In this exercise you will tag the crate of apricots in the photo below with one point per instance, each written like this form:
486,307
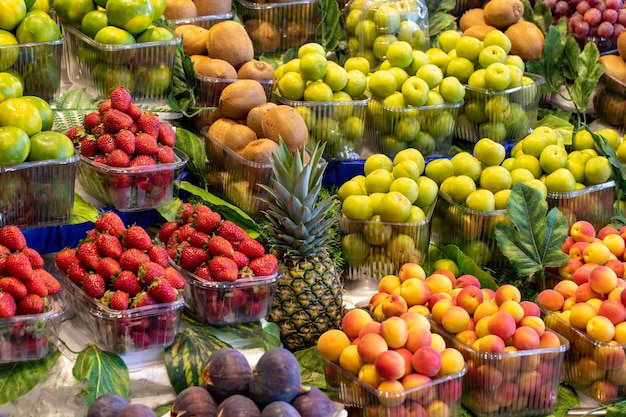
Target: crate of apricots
587,306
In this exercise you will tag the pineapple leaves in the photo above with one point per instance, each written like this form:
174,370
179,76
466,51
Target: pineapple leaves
18,378
103,371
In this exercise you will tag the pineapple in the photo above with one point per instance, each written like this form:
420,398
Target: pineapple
308,298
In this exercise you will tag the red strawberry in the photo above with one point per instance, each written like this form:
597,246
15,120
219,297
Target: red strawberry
158,254
88,255
108,245
13,286
218,246
162,291
240,259
143,161
119,300
260,292
184,232
120,99
166,231
89,148
125,140
92,234
175,278
137,237
207,222
94,285
31,304
36,261
18,265
132,258
8,307
254,309
108,268
76,272
4,250
146,144
148,272
172,250
36,284
142,299
3,263
111,223
238,298
115,120
101,159
252,248
199,239
167,135
192,257
203,272
105,106
184,212
98,131
52,284
165,155
264,266
106,143
215,310
231,232
127,281
12,237
223,269
149,123
91,120
76,133
118,159
64,258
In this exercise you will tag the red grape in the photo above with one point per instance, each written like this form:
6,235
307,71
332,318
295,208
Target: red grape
617,29
582,29
605,30
582,7
550,3
593,3
601,6
573,22
621,17
561,8
614,4
593,17
610,16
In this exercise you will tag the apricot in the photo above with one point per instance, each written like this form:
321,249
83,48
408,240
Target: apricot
455,319
395,332
331,343
354,320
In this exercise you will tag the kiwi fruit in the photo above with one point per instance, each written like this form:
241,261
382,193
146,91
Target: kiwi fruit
285,121
621,45
237,136
503,13
215,68
239,97
264,35
260,151
255,116
194,39
256,70
295,34
527,40
213,7
228,40
219,128
479,31
180,9
470,18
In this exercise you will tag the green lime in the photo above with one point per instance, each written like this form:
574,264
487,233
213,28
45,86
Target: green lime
155,34
107,77
92,22
14,145
10,86
20,113
8,54
72,11
132,15
37,26
12,12
50,145
47,118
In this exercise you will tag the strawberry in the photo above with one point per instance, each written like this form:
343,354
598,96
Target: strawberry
3,264
237,299
89,148
8,307
158,254
12,237
146,144
143,161
125,140
104,107
240,259
137,237
31,304
108,268
127,281
192,257
215,310
142,299
76,134
148,272
132,258
162,291
231,232
254,309
91,120
100,159
199,239
120,99
13,286
184,212
166,231
118,159
184,232
172,250
94,285
260,292
175,278
76,272
165,155
223,269
218,246
36,284
108,245
149,123
64,258
203,272
167,135
207,222
88,255
52,284
252,248
92,234
115,120
111,223
18,265
264,266
36,261
134,111
106,143
119,300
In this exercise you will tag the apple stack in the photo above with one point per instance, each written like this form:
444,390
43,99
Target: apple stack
391,368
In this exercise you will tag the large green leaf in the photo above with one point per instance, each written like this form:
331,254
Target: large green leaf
248,335
193,146
329,31
103,371
566,400
18,378
271,336
82,211
311,367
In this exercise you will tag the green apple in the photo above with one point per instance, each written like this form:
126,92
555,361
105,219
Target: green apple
538,185
369,55
412,155
357,63
366,32
376,232
395,99
448,39
390,145
612,137
327,129
517,122
468,47
495,178
425,143
440,126
417,215
530,163
409,31
357,207
313,66
407,168
475,111
481,200
406,186
430,73
577,168
582,139
406,129
308,116
291,86
336,77
415,91
489,152
427,193
520,174
452,90
446,185
598,170
401,76
375,197
493,130
497,76
318,91
464,163
498,108
477,79
381,84
419,59
516,60
460,187
498,38
548,133
461,68
439,169
377,161
356,83
491,54
533,144
361,180
394,207
560,180
353,128
381,44
350,187
434,99
400,54
352,19
311,47
438,57
387,19
620,152
553,157
355,248
516,76
508,163
529,92
501,199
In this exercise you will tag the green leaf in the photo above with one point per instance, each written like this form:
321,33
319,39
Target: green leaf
439,18
241,336
103,371
186,357
18,378
271,336
311,367
563,128
193,146
616,164
29,3
83,211
533,240
169,211
182,97
616,410
330,28
589,73
467,265
162,410
566,400
529,14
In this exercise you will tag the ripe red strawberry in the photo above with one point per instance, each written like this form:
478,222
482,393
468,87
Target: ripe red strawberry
91,120
172,250
137,237
148,272
125,140
175,278
36,284
4,250
162,291
238,298
115,120
240,259
18,265
254,309
165,155
111,223
108,245
120,99
158,254
142,299
184,212
88,255
207,222
223,269
13,286
119,300
143,161
3,263
106,143
252,248
89,148
215,310
167,135
12,237
127,281
264,266
92,234
184,232
31,304
231,232
118,159
132,258
94,285
166,231
199,239
100,159
36,261
76,272
203,272
52,284
218,246
149,123
108,268
105,106
192,257
146,144
76,134
134,111
260,292
8,307
64,258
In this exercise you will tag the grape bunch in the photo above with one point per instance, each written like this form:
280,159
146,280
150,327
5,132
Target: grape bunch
591,18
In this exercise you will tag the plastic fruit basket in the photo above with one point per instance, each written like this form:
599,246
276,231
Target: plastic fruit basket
340,124
276,27
593,204
144,68
222,303
134,188
472,231
36,194
522,383
202,21
209,89
503,116
38,64
33,336
440,396
427,128
122,331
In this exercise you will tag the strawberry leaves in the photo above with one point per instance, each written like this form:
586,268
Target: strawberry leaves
18,378
103,371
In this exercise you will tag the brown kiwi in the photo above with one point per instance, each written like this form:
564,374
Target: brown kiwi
527,40
503,13
238,136
256,70
264,35
621,45
260,151
215,68
228,40
239,97
470,18
194,39
285,121
219,128
295,34
255,116
180,9
213,7
478,31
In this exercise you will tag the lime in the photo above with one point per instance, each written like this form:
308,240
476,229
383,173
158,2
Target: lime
50,145
8,54
158,7
20,113
42,79
152,80
12,12
14,145
10,86
72,11
37,26
155,34
92,22
112,35
43,5
107,77
47,118
132,15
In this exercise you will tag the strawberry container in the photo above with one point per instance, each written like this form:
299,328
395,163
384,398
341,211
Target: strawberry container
33,336
593,204
36,194
438,397
143,68
122,331
134,188
521,383
223,303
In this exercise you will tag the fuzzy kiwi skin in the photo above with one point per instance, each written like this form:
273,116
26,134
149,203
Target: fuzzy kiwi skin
255,116
503,13
285,121
260,151
256,70
239,97
180,9
228,40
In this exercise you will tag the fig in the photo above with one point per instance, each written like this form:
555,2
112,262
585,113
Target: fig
276,377
279,409
226,372
314,403
194,401
137,410
238,406
107,405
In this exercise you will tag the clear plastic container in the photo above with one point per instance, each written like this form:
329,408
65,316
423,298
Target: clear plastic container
202,21
593,204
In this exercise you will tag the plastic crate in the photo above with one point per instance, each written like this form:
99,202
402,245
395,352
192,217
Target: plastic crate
593,204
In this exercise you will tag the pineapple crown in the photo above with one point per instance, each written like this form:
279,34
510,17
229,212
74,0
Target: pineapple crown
298,224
